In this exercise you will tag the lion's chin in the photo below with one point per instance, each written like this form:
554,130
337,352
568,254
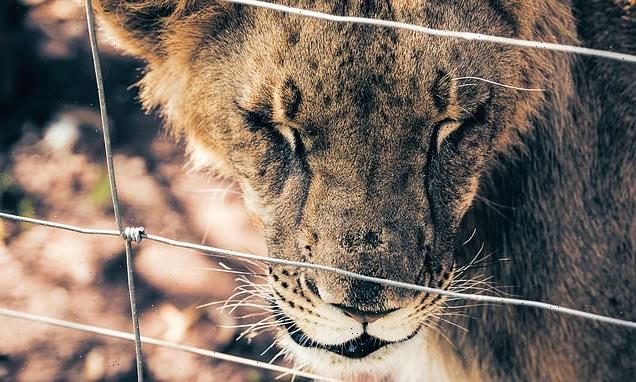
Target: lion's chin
398,361
355,348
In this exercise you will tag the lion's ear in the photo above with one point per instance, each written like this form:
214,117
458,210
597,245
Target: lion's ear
138,26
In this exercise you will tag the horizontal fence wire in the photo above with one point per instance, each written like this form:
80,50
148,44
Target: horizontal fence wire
218,252
471,36
158,342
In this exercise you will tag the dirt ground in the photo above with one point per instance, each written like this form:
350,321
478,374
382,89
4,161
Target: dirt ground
52,167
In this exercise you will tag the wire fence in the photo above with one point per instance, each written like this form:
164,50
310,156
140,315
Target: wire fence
90,19
137,234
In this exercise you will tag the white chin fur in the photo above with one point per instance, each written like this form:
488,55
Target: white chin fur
408,361
394,327
330,326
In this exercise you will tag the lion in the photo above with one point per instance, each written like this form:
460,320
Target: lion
453,164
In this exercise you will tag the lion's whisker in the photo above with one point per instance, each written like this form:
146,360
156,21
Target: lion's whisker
464,268
496,83
215,190
452,323
466,305
452,314
432,326
256,330
471,237
252,315
239,326
250,305
277,355
233,272
296,369
274,343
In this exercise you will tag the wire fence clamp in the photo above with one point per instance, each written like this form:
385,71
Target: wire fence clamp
135,234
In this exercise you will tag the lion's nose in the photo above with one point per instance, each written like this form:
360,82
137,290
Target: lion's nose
362,239
363,317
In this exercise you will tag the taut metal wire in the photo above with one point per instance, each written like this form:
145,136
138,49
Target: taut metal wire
470,36
218,252
158,342
90,19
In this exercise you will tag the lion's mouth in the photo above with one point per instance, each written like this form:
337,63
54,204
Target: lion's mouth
359,347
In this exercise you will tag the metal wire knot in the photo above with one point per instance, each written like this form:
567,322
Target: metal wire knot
135,234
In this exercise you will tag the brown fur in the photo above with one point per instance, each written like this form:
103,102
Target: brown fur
331,131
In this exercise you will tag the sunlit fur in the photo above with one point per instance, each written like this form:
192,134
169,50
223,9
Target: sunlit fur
379,151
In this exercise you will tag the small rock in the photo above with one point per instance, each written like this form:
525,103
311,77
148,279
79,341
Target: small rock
62,133
94,366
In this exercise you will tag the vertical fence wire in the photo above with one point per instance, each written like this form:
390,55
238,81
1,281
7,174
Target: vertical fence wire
90,19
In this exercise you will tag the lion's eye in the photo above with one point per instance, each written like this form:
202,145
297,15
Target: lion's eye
444,129
258,119
299,145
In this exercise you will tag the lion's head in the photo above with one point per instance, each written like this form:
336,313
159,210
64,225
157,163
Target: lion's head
355,146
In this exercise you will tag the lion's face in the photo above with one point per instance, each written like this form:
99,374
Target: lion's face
356,147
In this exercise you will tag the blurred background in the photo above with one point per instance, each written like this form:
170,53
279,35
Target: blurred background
52,167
